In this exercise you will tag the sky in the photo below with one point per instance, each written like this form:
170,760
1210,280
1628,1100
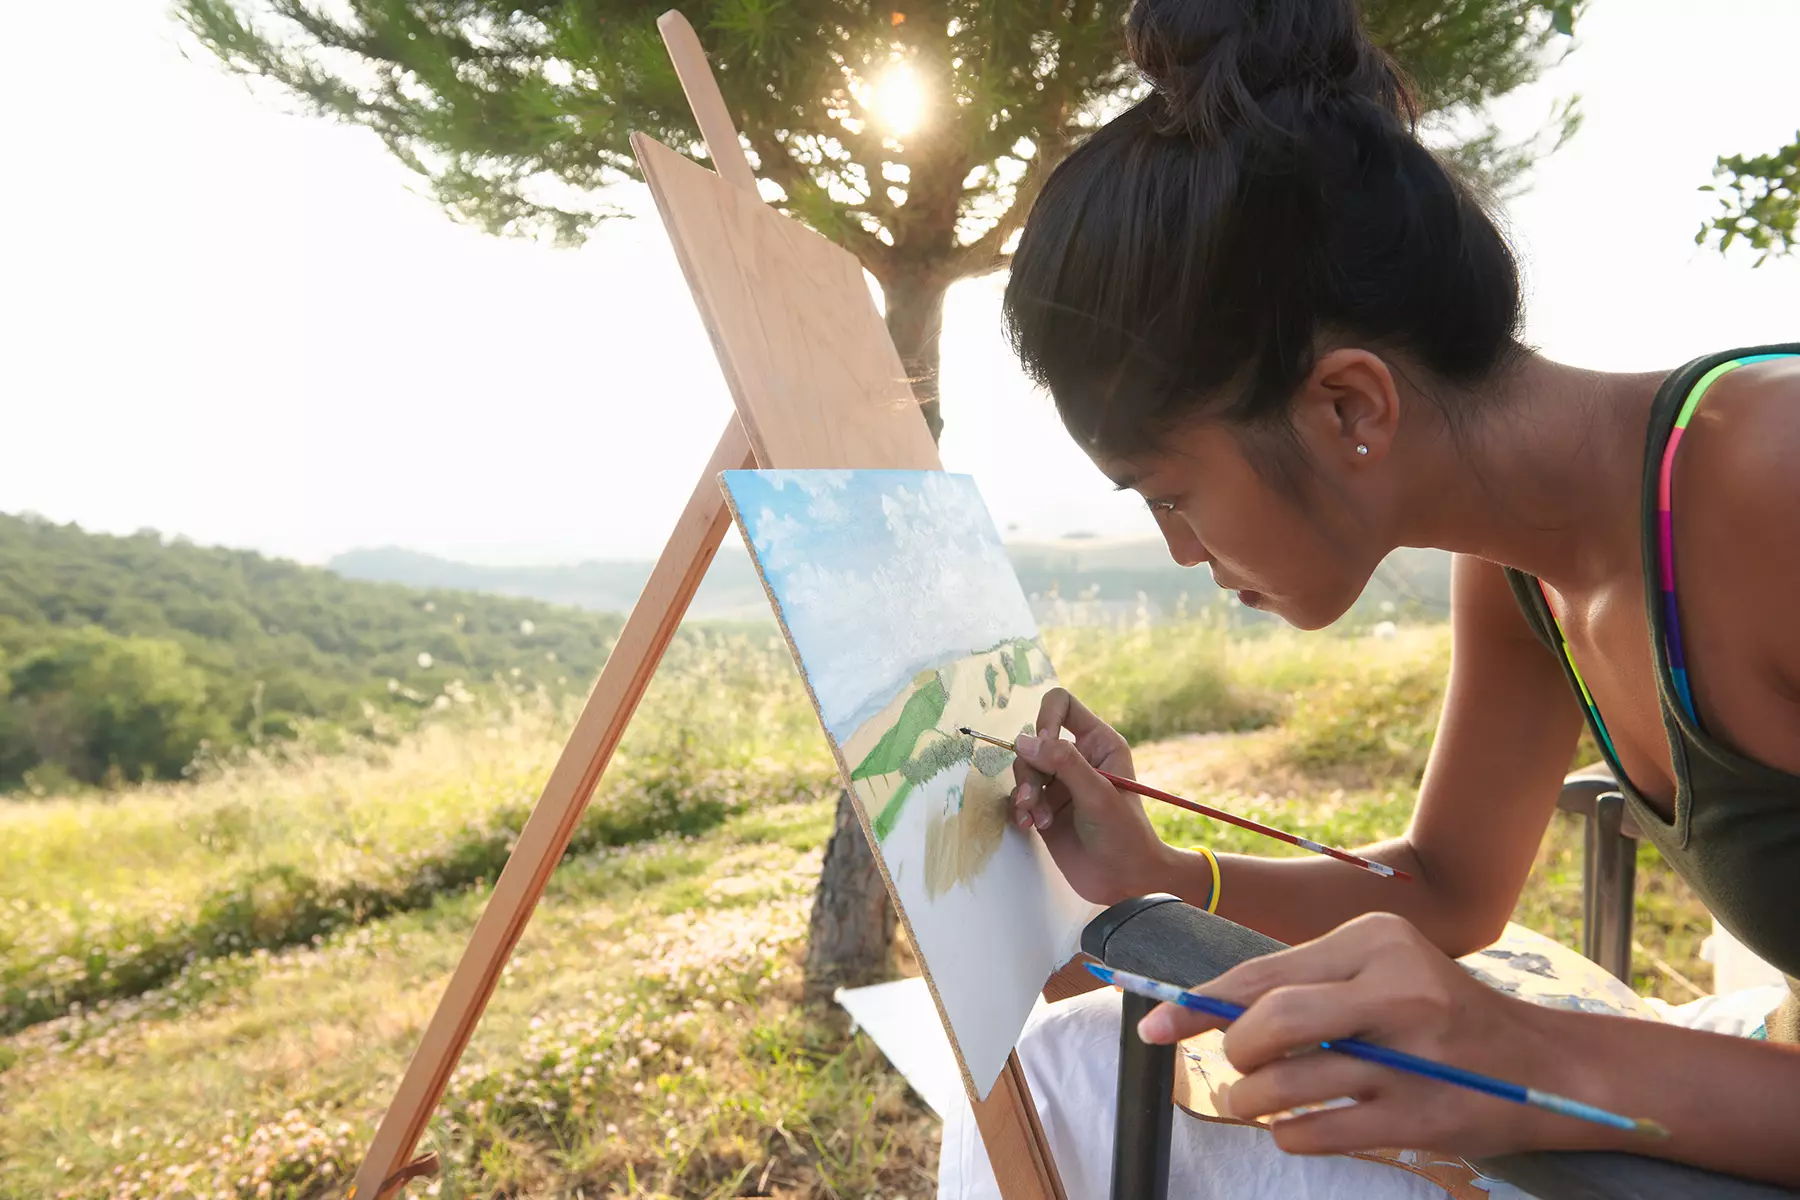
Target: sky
246,327
879,575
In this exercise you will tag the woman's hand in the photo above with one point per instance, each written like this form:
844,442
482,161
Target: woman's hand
1098,835
1376,978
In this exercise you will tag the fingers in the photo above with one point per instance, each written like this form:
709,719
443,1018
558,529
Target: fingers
1030,809
1033,806
1386,1120
1169,1023
1060,835
1323,989
1302,1016
1063,762
1302,1080
1342,954
1053,713
1035,798
1098,742
1276,1023
1061,776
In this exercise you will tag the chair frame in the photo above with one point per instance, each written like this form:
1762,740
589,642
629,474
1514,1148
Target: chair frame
1609,867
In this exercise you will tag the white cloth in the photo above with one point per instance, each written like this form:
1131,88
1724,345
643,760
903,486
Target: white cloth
1737,1014
1070,1051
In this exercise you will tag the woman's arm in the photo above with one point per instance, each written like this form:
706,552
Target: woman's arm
1508,730
1729,1104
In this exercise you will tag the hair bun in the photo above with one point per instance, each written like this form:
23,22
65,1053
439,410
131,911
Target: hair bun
1224,65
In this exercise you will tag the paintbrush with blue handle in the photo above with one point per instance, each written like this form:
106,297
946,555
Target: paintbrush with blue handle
1399,1060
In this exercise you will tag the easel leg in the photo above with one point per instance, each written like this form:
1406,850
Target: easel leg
1016,1146
597,731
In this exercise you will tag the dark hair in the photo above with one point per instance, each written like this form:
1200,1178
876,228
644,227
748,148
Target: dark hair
1269,191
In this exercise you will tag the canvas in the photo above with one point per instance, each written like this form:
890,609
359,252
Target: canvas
895,592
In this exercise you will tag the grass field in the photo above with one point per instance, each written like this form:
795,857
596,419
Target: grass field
210,990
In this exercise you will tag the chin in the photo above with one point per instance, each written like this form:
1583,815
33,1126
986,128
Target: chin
1311,614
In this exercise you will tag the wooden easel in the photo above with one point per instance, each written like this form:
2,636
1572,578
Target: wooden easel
816,382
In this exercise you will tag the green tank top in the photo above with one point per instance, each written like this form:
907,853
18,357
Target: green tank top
1735,835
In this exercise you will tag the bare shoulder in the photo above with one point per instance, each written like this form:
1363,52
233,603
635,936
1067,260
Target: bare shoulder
1737,503
1751,422
1483,607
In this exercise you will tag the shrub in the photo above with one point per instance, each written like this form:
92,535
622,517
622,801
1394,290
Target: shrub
1160,680
1375,723
100,705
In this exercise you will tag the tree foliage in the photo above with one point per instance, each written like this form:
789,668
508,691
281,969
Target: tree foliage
517,113
1759,202
99,706
123,655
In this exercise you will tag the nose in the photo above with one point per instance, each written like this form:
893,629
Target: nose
1184,547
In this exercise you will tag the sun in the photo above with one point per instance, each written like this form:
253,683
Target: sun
897,100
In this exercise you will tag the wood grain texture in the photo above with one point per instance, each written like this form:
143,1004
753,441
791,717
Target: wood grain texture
810,365
541,843
1073,979
704,97
1014,1139
818,383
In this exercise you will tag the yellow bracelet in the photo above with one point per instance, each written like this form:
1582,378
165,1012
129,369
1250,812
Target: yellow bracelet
1212,901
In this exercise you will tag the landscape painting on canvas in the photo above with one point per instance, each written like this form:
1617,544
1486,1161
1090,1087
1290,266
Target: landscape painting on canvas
896,593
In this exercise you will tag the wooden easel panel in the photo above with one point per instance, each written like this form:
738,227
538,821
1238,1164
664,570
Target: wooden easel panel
816,378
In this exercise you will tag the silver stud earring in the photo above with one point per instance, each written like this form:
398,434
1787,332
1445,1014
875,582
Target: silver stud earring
1361,449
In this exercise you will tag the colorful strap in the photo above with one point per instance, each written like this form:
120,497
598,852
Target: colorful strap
1212,901
1665,527
1665,546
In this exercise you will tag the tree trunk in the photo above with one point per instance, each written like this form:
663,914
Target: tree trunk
850,938
851,934
915,320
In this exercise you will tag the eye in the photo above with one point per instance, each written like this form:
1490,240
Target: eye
1160,506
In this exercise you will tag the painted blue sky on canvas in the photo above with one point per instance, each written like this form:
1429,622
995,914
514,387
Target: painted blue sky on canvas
880,575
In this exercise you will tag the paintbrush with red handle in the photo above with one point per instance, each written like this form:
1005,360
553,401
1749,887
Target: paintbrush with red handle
1132,785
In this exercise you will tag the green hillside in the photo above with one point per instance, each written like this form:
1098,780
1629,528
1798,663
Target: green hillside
125,656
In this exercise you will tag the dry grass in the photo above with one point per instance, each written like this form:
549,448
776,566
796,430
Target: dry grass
648,1038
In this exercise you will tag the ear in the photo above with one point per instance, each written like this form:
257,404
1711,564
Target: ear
1348,400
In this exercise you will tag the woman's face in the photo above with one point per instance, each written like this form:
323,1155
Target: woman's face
1302,557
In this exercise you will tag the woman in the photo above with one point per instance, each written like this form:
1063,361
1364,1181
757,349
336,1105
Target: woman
1260,303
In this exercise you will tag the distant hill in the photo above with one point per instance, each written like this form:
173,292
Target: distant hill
1077,579
731,589
1098,578
123,654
